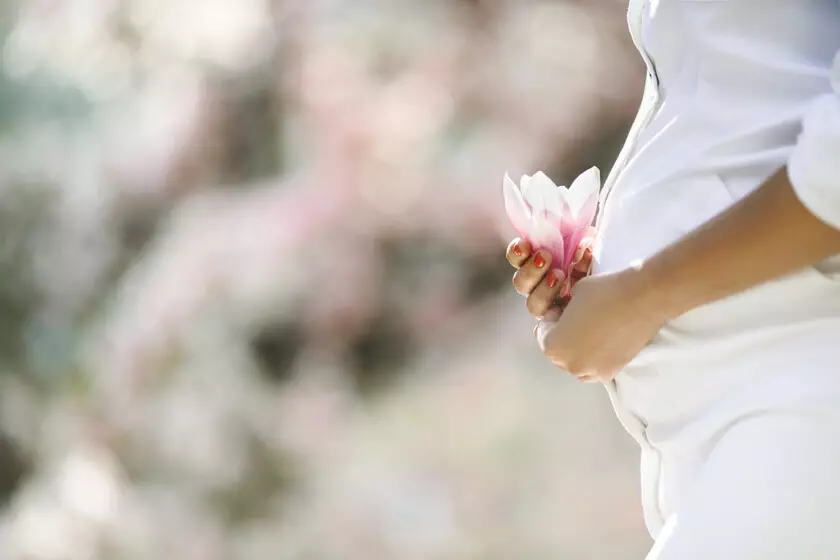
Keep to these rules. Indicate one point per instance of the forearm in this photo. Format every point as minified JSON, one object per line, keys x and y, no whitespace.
{"x":766,"y":235}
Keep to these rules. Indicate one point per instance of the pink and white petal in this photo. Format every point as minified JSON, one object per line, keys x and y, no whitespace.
{"x":578,"y":230}
{"x":586,"y":216}
{"x":517,"y":209}
{"x":556,"y":201}
{"x":546,"y":234}
{"x":538,"y":192}
{"x":543,"y":181}
{"x":572,"y":236}
{"x":582,"y":189}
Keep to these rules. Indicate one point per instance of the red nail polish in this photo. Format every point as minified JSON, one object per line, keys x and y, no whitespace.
{"x":539,"y":261}
{"x":517,"y":250}
{"x":552,"y":280}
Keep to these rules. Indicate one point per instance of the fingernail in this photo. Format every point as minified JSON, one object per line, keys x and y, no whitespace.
{"x":552,"y":280}
{"x":564,"y":291}
{"x":517,"y":250}
{"x":551,"y":316}
{"x":539,"y":260}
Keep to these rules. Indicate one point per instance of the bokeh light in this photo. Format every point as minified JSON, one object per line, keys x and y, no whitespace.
{"x":253,"y":299}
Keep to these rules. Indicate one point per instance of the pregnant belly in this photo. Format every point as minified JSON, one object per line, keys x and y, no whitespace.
{"x":773,"y":342}
{"x":768,"y":347}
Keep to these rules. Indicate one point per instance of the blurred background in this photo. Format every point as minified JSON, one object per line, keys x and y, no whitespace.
{"x":253,"y":299}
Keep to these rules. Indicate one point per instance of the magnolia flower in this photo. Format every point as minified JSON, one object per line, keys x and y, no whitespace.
{"x":553,"y":218}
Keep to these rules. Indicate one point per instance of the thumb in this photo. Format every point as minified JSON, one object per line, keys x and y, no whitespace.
{"x":546,"y":324}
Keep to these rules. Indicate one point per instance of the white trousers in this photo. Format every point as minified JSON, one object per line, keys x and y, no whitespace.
{"x":737,"y":409}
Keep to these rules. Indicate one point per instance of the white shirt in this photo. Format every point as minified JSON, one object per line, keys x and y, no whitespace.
{"x":735,"y":90}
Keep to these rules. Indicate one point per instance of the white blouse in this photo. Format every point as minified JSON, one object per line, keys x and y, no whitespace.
{"x":735,"y":90}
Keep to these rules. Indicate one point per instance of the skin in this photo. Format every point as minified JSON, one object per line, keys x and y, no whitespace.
{"x":612,"y":317}
{"x":544,"y":288}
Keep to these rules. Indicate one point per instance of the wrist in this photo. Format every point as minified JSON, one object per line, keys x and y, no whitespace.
{"x":654,"y":297}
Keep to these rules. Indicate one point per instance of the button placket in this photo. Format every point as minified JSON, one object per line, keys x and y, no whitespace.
{"x":650,"y":464}
{"x":651,"y":101}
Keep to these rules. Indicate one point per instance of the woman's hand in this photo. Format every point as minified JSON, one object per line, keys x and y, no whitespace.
{"x":765,"y":235}
{"x":541,"y":288}
{"x":608,"y":322}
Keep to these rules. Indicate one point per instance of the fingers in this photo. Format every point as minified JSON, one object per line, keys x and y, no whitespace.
{"x":531,"y":273}
{"x":581,"y":264}
{"x":581,"y":267}
{"x":543,"y":333}
{"x":551,"y":316}
{"x":542,"y":298}
{"x":545,"y":325}
{"x":518,"y":252}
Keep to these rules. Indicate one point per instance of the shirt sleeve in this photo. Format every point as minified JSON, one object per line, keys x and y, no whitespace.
{"x":814,"y":165}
